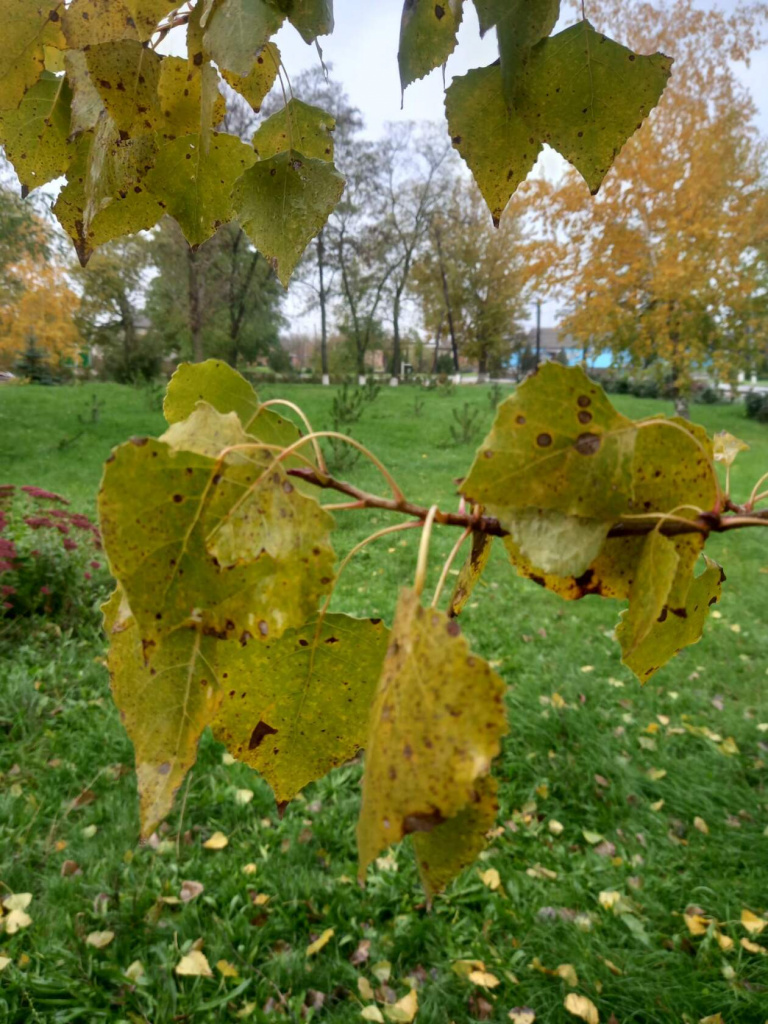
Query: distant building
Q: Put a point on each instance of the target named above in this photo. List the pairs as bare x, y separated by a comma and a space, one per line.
555, 345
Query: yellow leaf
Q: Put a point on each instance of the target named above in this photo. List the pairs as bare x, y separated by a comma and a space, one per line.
701, 825
17, 901
608, 898
582, 1007
491, 878
135, 971
729, 747
372, 1013
593, 838
557, 701
4, 961
753, 947
365, 988
568, 973
654, 774
405, 1009
99, 940
16, 920
715, 1018
323, 940
382, 971
752, 922
226, 969
217, 842
542, 791
243, 796
726, 447
612, 966
249, 869
261, 899
483, 978
539, 871
522, 1015
246, 1011
725, 942
555, 827
465, 967
194, 965
697, 924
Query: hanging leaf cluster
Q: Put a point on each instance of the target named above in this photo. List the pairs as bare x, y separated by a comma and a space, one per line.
224, 563
86, 96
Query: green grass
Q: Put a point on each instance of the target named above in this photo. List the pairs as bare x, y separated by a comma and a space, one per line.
60, 735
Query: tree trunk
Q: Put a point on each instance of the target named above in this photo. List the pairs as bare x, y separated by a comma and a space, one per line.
482, 368
195, 307
447, 298
323, 309
396, 356
681, 406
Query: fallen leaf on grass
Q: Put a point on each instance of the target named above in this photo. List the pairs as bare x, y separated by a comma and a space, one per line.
701, 825
249, 869
728, 747
372, 1013
593, 838
522, 1015
365, 988
752, 922
725, 942
568, 973
655, 774
539, 871
243, 796
190, 890
17, 901
15, 921
491, 878
135, 971
483, 978
556, 829
612, 966
582, 1007
4, 961
405, 1009
99, 940
361, 954
194, 965
382, 971
715, 1018
753, 947
608, 898
226, 969
319, 943
217, 842
657, 805
696, 923
83, 799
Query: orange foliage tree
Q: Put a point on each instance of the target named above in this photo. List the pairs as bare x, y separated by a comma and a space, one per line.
44, 308
662, 267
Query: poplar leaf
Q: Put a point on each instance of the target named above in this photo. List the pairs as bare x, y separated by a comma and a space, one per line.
483, 979
754, 924
282, 203
237, 30
296, 707
557, 443
194, 965
753, 947
435, 727
656, 570
257, 83
727, 447
372, 1013
17, 901
470, 572
189, 98
99, 940
520, 24
581, 1007
321, 942
147, 14
310, 18
427, 37
226, 969
87, 22
193, 176
15, 921
522, 1015
585, 94
495, 142
126, 75
490, 878
449, 848
36, 134
296, 126
404, 1010
87, 104
28, 27
553, 542
218, 841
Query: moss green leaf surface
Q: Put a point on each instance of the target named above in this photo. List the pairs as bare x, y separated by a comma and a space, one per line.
298, 126
28, 27
283, 202
652, 581
36, 134
436, 725
236, 31
126, 75
310, 18
257, 83
296, 707
427, 36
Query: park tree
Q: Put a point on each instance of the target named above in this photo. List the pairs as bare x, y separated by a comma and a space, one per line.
469, 283
662, 266
43, 306
23, 235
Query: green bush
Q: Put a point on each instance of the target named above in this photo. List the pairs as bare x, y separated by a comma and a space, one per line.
756, 406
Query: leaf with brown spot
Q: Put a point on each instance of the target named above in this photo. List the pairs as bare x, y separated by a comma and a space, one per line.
427, 36
257, 83
126, 75
652, 582
237, 30
470, 572
297, 126
435, 727
36, 134
28, 27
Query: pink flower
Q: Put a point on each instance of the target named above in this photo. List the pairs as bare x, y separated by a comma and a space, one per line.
45, 590
6, 591
69, 544
62, 528
95, 565
38, 492
87, 575
7, 604
38, 522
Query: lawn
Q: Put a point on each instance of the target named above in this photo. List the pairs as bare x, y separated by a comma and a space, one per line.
657, 793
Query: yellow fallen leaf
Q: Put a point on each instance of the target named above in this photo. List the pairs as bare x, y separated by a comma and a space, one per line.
612, 966
227, 759
729, 747
568, 973
522, 1015
491, 878
725, 942
405, 1009
735, 628
217, 842
99, 940
365, 988
4, 961
557, 701
752, 922
539, 871
655, 774
190, 890
382, 971
582, 1007
249, 869
753, 947
608, 898
90, 831
261, 899
652, 728
226, 969
542, 791
16, 920
17, 901
701, 825
465, 967
593, 838
323, 940
245, 1011
194, 965
697, 924
372, 1013
555, 828
714, 1018
135, 971
657, 805
483, 978
243, 796
587, 668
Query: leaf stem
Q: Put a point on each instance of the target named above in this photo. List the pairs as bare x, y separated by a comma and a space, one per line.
448, 563
305, 420
421, 564
754, 497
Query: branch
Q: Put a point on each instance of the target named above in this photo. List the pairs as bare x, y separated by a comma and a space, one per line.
706, 523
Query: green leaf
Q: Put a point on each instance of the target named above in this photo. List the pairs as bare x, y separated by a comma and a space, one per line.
310, 18
435, 727
213, 382
195, 181
556, 443
585, 95
87, 104
28, 27
427, 36
126, 75
677, 626
487, 13
147, 14
190, 101
470, 572
556, 543
256, 84
496, 143
296, 126
282, 203
520, 24
452, 846
35, 135
166, 692
296, 707
237, 30
649, 590
158, 506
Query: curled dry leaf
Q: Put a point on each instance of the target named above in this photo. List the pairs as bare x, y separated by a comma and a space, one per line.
753, 947
404, 1010
752, 922
99, 940
319, 943
582, 1007
483, 978
217, 842
190, 890
194, 965
521, 1015
491, 878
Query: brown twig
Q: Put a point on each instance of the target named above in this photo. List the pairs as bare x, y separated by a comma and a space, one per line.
706, 523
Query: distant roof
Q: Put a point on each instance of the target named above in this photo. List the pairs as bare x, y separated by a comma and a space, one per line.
552, 340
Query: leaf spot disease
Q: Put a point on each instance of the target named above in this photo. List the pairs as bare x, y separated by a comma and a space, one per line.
261, 731
588, 444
